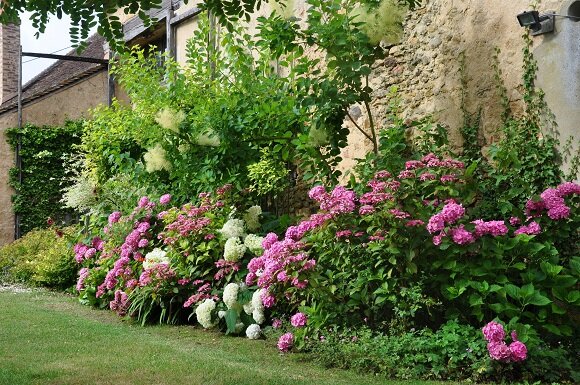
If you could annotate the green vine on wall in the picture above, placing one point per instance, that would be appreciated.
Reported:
(42, 152)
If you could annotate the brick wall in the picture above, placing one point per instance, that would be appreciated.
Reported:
(9, 50)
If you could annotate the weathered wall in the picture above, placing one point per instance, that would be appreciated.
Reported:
(426, 67)
(69, 103)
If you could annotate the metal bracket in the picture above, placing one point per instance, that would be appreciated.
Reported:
(547, 23)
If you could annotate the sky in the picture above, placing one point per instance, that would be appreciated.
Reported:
(55, 37)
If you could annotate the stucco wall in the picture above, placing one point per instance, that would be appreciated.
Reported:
(69, 103)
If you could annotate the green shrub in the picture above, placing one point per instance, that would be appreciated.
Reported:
(40, 258)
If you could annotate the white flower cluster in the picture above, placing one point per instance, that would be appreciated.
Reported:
(234, 249)
(209, 138)
(233, 228)
(81, 195)
(255, 308)
(230, 296)
(254, 243)
(203, 313)
(170, 119)
(252, 218)
(253, 331)
(155, 257)
(155, 159)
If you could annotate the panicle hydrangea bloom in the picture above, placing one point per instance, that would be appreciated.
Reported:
(233, 228)
(298, 320)
(234, 249)
(285, 342)
(253, 332)
(204, 313)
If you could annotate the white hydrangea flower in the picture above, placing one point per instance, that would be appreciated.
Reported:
(203, 313)
(258, 316)
(252, 218)
(248, 308)
(234, 249)
(253, 332)
(155, 159)
(230, 296)
(257, 300)
(233, 228)
(155, 257)
(170, 119)
(221, 314)
(254, 244)
(208, 138)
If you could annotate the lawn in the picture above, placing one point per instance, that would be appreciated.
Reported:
(49, 339)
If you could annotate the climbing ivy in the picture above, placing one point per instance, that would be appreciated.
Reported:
(43, 152)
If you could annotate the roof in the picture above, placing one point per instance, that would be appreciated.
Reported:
(61, 74)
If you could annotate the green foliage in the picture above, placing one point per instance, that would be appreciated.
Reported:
(40, 258)
(43, 151)
(268, 176)
(453, 352)
(383, 22)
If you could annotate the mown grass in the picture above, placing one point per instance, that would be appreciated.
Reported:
(49, 339)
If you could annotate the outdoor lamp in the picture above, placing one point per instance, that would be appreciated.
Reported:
(538, 24)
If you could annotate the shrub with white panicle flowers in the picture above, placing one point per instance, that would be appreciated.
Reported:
(253, 332)
(234, 249)
(170, 119)
(254, 244)
(234, 228)
(204, 313)
(156, 159)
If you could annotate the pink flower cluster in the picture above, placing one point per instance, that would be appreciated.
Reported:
(498, 350)
(285, 342)
(84, 252)
(552, 200)
(203, 292)
(339, 201)
(298, 320)
(83, 274)
(120, 303)
(136, 240)
(156, 274)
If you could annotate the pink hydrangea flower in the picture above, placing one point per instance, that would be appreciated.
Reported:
(143, 202)
(366, 210)
(518, 351)
(143, 243)
(499, 351)
(114, 217)
(165, 199)
(533, 228)
(462, 236)
(493, 332)
(285, 342)
(276, 323)
(298, 320)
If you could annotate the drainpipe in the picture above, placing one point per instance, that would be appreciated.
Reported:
(17, 232)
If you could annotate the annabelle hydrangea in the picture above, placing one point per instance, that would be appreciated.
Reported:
(253, 332)
(155, 257)
(231, 295)
(255, 307)
(204, 313)
(234, 249)
(234, 228)
(254, 244)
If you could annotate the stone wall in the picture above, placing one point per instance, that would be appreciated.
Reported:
(426, 68)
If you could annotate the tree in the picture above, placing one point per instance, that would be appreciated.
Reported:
(85, 14)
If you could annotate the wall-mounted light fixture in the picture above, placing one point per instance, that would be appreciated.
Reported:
(540, 24)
